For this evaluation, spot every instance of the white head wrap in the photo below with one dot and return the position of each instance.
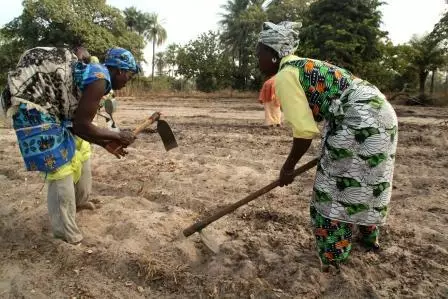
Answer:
(283, 37)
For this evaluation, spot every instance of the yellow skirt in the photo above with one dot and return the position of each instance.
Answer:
(74, 167)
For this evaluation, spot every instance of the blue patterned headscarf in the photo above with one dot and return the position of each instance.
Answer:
(282, 37)
(121, 59)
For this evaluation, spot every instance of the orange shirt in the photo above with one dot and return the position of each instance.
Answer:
(267, 93)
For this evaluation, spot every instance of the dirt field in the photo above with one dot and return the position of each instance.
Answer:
(133, 247)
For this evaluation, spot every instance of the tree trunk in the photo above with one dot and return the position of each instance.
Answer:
(431, 88)
(153, 58)
(422, 80)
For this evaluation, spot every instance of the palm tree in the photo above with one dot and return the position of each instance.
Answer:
(427, 56)
(135, 20)
(171, 58)
(157, 34)
(232, 35)
(241, 24)
(160, 63)
(440, 31)
(287, 10)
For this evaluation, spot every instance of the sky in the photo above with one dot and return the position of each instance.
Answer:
(184, 20)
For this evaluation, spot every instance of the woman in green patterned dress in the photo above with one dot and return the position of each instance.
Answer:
(353, 183)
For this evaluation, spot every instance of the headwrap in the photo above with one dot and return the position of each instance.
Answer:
(121, 59)
(283, 37)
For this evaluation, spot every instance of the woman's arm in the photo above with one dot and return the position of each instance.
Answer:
(298, 115)
(87, 109)
(299, 147)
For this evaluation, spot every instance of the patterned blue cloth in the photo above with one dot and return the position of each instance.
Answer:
(121, 59)
(45, 143)
(86, 74)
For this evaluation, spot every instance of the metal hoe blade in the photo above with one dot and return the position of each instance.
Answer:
(209, 241)
(165, 132)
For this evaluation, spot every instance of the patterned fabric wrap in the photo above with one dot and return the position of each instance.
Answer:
(121, 59)
(283, 37)
(86, 74)
(45, 90)
(43, 80)
(322, 83)
(45, 143)
(354, 176)
(334, 238)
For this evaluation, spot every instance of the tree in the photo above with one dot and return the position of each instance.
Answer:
(205, 60)
(171, 57)
(393, 71)
(440, 31)
(241, 22)
(136, 21)
(65, 23)
(160, 63)
(232, 35)
(10, 51)
(427, 56)
(439, 35)
(157, 34)
(288, 10)
(346, 33)
(93, 24)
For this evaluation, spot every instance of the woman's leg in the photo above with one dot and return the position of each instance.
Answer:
(333, 238)
(62, 210)
(83, 187)
(369, 236)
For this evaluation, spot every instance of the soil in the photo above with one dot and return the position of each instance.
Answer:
(133, 246)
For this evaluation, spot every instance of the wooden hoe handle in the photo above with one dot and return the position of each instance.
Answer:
(199, 225)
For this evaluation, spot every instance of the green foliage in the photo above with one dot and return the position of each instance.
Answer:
(287, 10)
(160, 63)
(427, 55)
(91, 23)
(393, 71)
(440, 31)
(157, 34)
(241, 24)
(10, 51)
(430, 53)
(345, 33)
(171, 57)
(205, 60)
(136, 20)
(148, 26)
(65, 23)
